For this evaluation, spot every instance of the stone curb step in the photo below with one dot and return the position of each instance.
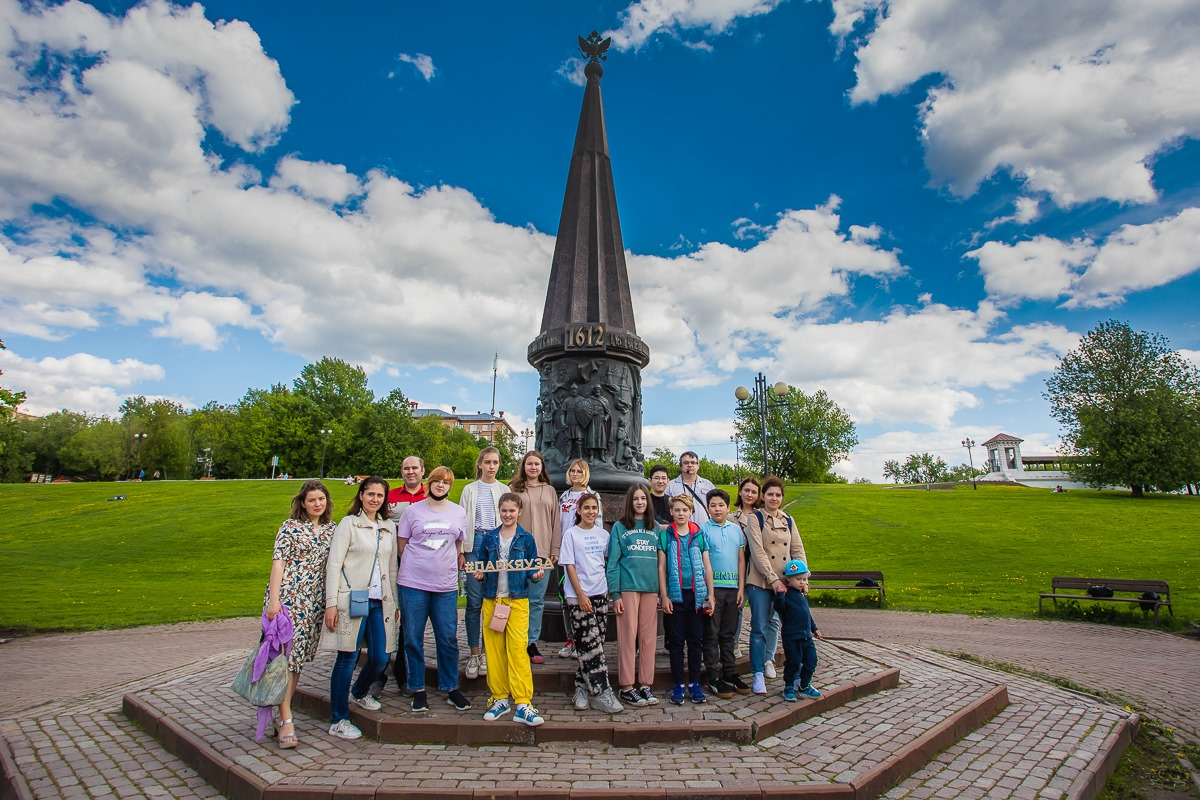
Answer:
(475, 731)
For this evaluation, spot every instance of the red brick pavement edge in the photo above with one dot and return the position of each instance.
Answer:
(238, 783)
(14, 786)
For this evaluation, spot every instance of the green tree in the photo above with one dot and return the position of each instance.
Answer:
(917, 468)
(273, 422)
(806, 435)
(1129, 407)
(382, 436)
(48, 436)
(101, 450)
(16, 457)
(665, 457)
(166, 448)
(213, 427)
(9, 400)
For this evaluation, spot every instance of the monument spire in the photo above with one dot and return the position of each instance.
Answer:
(588, 350)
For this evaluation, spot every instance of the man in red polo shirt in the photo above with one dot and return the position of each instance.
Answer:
(412, 472)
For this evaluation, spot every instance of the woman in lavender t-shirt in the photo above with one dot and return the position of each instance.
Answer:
(430, 538)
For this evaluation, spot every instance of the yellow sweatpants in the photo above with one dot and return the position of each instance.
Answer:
(508, 660)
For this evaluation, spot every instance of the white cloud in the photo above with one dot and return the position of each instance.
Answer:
(1074, 98)
(709, 437)
(644, 19)
(80, 382)
(1027, 209)
(1132, 258)
(422, 62)
(329, 183)
(323, 261)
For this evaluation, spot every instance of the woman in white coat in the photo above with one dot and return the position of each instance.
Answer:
(362, 556)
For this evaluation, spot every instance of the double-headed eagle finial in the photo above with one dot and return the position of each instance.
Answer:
(593, 47)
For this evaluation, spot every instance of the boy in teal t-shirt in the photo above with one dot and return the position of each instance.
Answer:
(727, 554)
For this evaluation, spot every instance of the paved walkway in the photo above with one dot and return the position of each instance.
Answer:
(1158, 673)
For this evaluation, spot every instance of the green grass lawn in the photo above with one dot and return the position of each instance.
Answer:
(201, 550)
(991, 551)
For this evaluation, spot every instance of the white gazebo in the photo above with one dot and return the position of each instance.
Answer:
(1006, 463)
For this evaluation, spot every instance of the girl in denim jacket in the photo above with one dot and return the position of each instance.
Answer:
(509, 673)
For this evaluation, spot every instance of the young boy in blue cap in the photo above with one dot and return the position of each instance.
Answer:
(798, 630)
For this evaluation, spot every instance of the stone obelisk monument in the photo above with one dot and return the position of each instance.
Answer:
(588, 353)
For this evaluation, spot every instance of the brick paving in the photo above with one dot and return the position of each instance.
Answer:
(1158, 673)
(1045, 744)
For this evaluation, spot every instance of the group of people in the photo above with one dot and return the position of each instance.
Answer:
(391, 567)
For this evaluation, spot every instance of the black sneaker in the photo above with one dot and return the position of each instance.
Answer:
(420, 701)
(535, 655)
(720, 689)
(737, 684)
(631, 697)
(457, 699)
(648, 696)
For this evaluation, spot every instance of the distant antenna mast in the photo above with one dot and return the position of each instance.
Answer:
(495, 368)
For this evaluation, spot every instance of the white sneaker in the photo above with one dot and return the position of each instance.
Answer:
(498, 710)
(769, 669)
(568, 650)
(758, 685)
(473, 666)
(607, 702)
(483, 663)
(367, 702)
(345, 729)
(581, 699)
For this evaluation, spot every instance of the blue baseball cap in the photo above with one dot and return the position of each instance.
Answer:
(795, 567)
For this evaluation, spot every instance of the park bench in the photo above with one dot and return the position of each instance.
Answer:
(1150, 594)
(860, 580)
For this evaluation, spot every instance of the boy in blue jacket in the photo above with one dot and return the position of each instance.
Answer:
(798, 630)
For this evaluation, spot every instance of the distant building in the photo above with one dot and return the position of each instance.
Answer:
(1006, 463)
(480, 424)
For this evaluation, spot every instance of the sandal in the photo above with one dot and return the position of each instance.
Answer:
(287, 741)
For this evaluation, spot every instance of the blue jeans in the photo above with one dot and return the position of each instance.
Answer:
(441, 609)
(764, 625)
(474, 600)
(537, 606)
(372, 629)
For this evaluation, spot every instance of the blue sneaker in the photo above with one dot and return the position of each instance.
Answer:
(698, 694)
(678, 694)
(528, 715)
(789, 694)
(498, 710)
(809, 691)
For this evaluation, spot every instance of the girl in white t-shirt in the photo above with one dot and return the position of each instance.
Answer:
(583, 554)
(578, 474)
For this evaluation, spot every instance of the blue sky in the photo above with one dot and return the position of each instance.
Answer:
(916, 206)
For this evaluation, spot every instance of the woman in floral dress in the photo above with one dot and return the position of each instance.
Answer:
(298, 582)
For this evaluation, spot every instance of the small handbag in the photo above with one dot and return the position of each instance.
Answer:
(499, 620)
(360, 601)
(270, 688)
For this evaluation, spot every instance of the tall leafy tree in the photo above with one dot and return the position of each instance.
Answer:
(165, 448)
(1129, 407)
(806, 435)
(918, 468)
(380, 438)
(9, 400)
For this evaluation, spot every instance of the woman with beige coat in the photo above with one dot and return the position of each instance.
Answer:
(362, 557)
(773, 541)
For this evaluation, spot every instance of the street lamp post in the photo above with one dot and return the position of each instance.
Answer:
(969, 443)
(324, 443)
(138, 438)
(737, 455)
(528, 434)
(759, 402)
